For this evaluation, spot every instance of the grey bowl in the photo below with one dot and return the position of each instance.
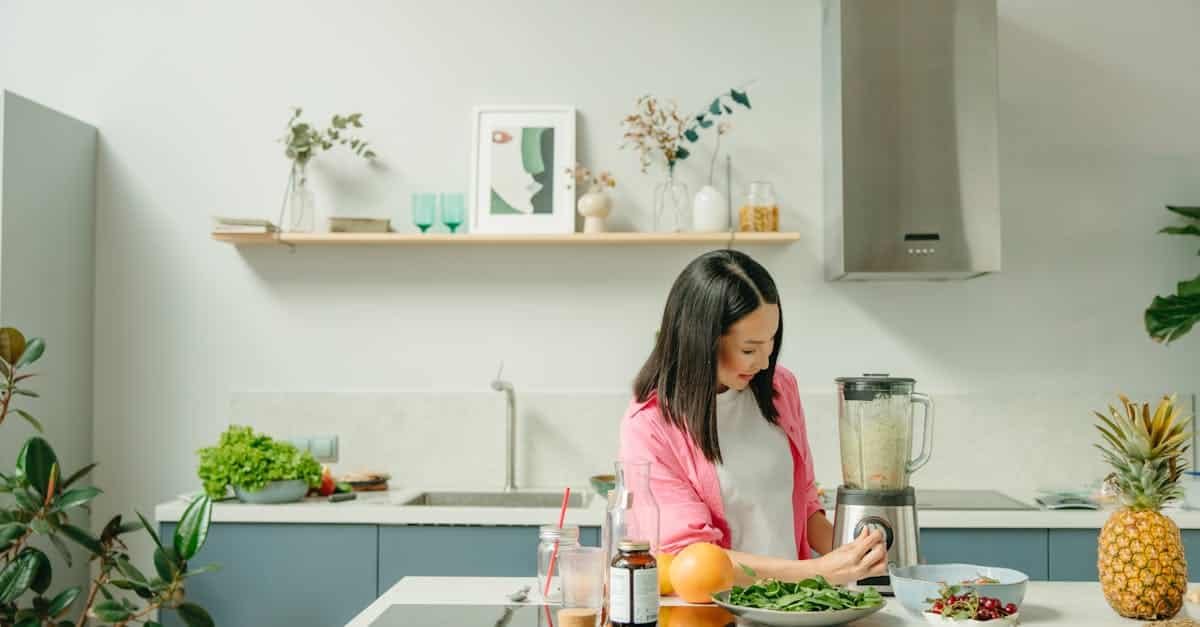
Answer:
(777, 618)
(912, 585)
(274, 492)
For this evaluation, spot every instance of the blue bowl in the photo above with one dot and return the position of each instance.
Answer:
(912, 585)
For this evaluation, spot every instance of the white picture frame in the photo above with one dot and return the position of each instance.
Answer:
(507, 143)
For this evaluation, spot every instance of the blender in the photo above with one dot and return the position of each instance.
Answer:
(875, 427)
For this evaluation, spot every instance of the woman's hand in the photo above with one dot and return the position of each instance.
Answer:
(865, 557)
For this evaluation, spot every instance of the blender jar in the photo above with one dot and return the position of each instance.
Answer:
(875, 427)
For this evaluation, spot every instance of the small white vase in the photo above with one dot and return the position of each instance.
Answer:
(709, 212)
(594, 206)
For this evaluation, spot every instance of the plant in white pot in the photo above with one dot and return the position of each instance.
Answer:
(595, 205)
(260, 469)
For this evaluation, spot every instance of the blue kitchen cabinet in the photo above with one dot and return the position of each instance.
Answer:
(1073, 554)
(461, 551)
(1020, 549)
(284, 574)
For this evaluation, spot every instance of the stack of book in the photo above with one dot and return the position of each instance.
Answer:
(242, 225)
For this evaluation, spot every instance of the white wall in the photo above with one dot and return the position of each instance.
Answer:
(1097, 132)
(46, 279)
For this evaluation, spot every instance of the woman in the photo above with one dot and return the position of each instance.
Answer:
(723, 429)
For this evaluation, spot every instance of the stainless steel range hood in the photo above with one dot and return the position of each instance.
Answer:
(909, 95)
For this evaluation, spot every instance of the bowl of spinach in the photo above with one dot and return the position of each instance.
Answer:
(808, 603)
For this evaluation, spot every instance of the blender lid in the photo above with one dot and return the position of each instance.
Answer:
(865, 387)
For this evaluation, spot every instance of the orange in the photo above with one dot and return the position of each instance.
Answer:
(664, 575)
(691, 616)
(700, 570)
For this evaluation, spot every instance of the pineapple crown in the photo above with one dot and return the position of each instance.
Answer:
(1146, 450)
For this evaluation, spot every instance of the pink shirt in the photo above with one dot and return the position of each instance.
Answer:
(685, 484)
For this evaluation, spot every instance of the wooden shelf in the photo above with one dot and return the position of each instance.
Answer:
(572, 239)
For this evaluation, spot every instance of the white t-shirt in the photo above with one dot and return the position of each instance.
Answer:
(756, 477)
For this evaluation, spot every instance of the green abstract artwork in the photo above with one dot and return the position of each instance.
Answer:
(522, 171)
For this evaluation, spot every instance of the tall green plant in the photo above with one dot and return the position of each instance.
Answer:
(40, 503)
(1170, 317)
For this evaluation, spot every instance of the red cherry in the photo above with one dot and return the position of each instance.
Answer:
(938, 606)
(1010, 608)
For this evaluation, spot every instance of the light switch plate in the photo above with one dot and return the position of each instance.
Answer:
(302, 444)
(324, 448)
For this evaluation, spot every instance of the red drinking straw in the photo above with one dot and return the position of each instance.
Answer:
(562, 514)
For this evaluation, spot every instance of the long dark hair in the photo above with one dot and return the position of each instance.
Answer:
(712, 293)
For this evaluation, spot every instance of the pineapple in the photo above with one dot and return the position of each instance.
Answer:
(1143, 571)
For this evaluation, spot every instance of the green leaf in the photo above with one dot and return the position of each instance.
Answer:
(83, 539)
(150, 530)
(704, 122)
(30, 419)
(39, 525)
(33, 352)
(24, 392)
(111, 611)
(740, 97)
(194, 615)
(75, 498)
(16, 578)
(681, 153)
(1191, 212)
(62, 548)
(1189, 288)
(27, 500)
(36, 461)
(130, 571)
(1171, 317)
(749, 571)
(43, 573)
(28, 621)
(1191, 229)
(208, 568)
(728, 109)
(151, 623)
(60, 603)
(691, 135)
(715, 107)
(193, 527)
(77, 475)
(10, 532)
(166, 564)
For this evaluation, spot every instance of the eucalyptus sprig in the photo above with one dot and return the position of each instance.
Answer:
(303, 141)
(657, 128)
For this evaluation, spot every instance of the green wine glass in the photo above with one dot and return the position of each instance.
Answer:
(423, 208)
(454, 211)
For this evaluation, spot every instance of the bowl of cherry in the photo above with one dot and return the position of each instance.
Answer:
(918, 585)
(967, 607)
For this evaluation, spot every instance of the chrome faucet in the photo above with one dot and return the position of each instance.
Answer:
(510, 430)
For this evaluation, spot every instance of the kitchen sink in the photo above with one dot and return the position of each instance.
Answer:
(493, 499)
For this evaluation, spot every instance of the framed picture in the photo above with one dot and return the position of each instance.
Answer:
(518, 163)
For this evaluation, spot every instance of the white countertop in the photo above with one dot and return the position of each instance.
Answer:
(1075, 604)
(383, 508)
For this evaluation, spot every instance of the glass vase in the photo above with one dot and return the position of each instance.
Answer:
(300, 216)
(632, 510)
(671, 212)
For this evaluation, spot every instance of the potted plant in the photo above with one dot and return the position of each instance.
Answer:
(260, 469)
(43, 501)
(656, 129)
(595, 205)
(1170, 317)
(302, 142)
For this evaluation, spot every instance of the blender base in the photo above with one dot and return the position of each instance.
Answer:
(893, 512)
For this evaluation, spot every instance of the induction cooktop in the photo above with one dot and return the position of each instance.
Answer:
(466, 616)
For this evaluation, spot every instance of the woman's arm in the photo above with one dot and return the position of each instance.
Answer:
(865, 557)
(820, 533)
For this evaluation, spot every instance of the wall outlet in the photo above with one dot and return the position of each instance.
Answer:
(324, 448)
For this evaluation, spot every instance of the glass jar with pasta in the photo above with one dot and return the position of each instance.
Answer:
(760, 211)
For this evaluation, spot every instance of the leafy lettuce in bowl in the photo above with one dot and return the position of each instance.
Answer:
(250, 461)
